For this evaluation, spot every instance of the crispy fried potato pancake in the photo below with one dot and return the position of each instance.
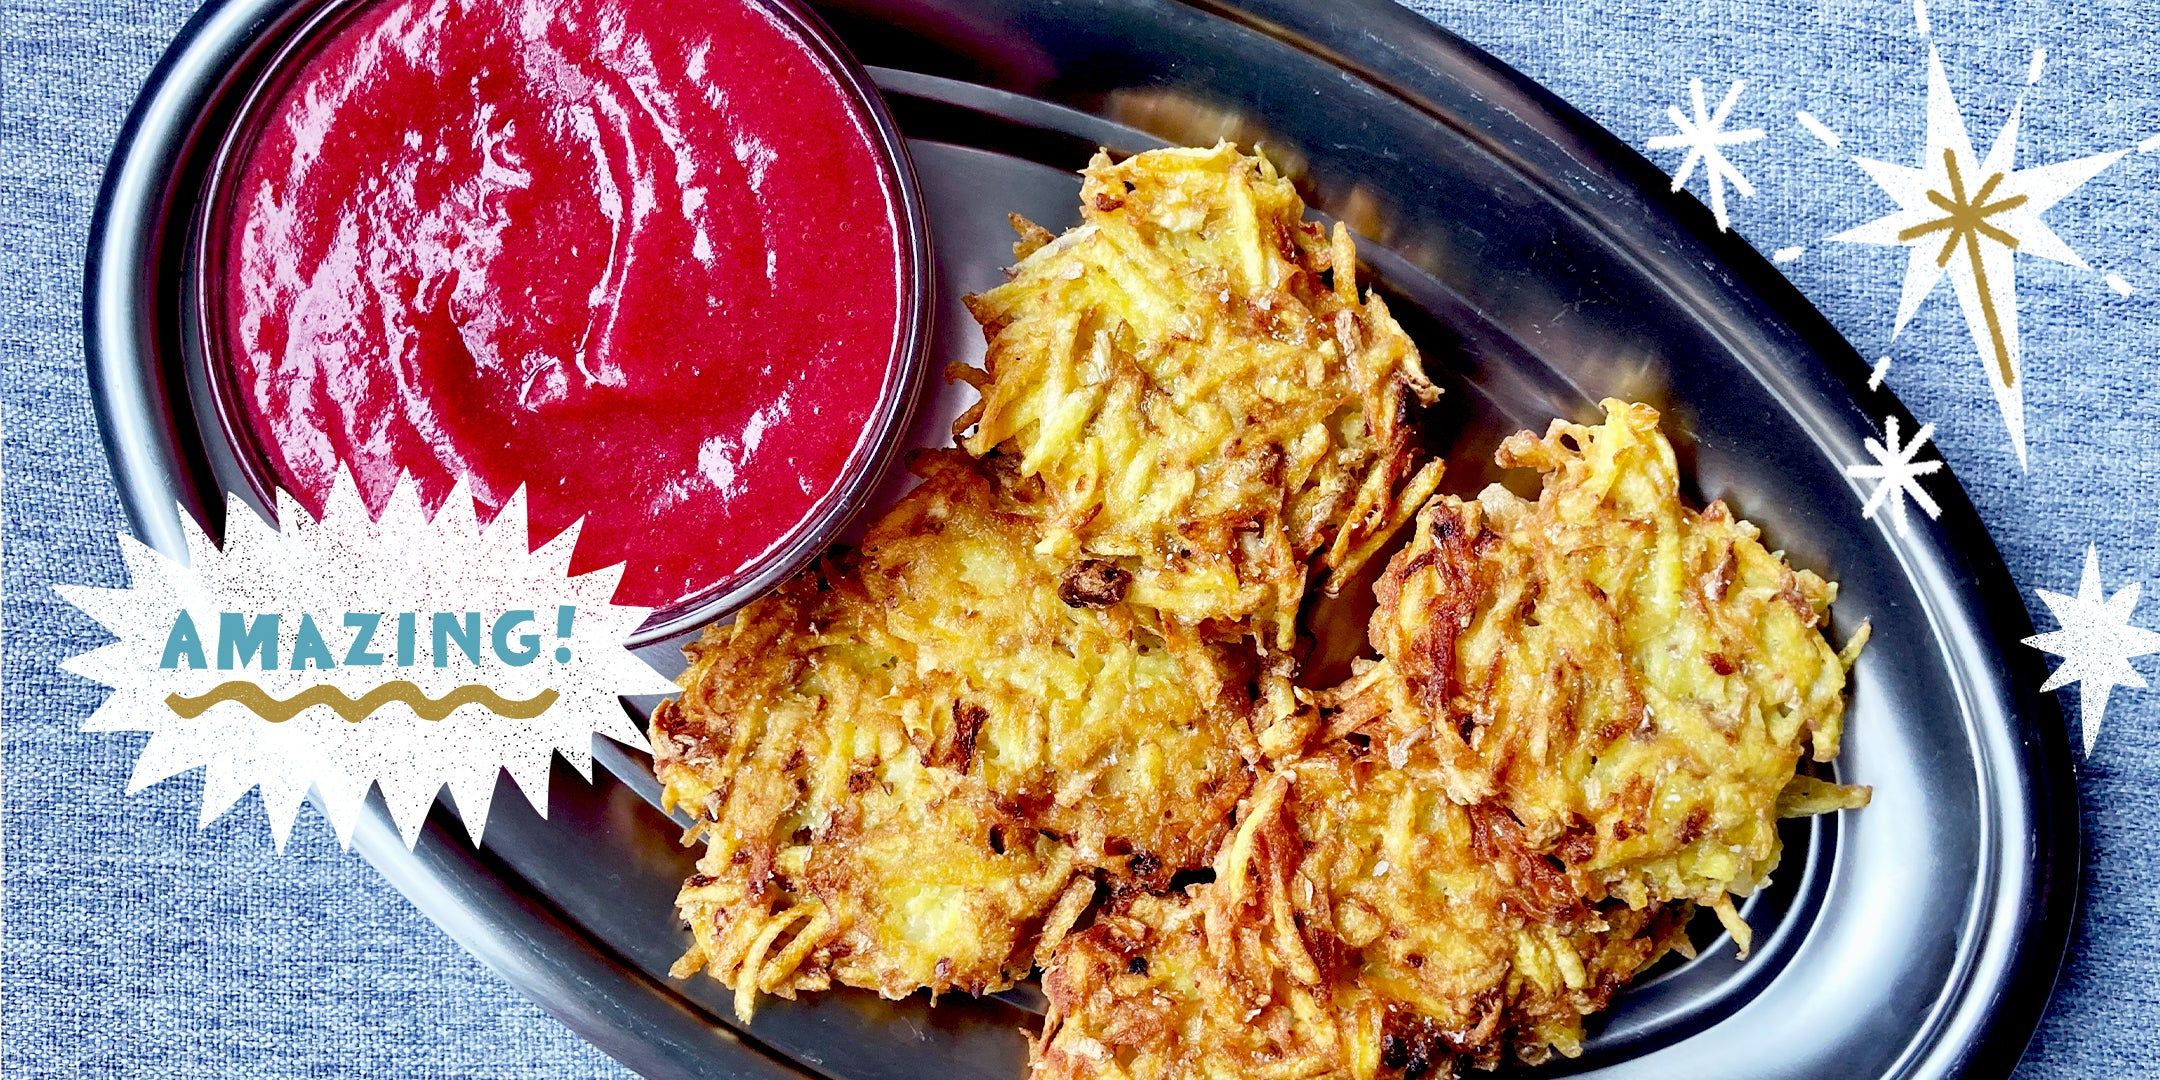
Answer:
(990, 739)
(909, 765)
(1634, 682)
(1362, 924)
(1208, 401)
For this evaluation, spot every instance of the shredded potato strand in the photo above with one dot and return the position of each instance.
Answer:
(1204, 394)
(1060, 677)
(919, 759)
(1359, 922)
(1635, 681)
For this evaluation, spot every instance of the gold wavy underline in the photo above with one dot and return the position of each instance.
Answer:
(259, 702)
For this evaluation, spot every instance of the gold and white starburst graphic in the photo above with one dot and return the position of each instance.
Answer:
(1968, 217)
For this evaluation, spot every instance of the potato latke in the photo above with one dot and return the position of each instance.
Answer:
(910, 764)
(1207, 399)
(1634, 681)
(1060, 669)
(1361, 924)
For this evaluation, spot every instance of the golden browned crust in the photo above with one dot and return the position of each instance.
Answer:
(1361, 925)
(1634, 681)
(905, 763)
(1209, 403)
(989, 740)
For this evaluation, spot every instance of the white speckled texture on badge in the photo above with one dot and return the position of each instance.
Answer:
(402, 652)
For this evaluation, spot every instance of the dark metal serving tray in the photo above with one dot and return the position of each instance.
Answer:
(1541, 266)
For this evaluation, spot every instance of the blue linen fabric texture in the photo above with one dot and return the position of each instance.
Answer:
(136, 943)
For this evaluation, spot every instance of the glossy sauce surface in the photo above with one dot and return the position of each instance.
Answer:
(640, 257)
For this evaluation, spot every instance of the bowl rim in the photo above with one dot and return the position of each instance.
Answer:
(262, 69)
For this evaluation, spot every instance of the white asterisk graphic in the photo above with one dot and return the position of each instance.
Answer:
(1897, 475)
(1704, 138)
(1967, 218)
(2096, 641)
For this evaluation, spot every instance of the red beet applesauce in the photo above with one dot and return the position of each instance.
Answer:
(642, 257)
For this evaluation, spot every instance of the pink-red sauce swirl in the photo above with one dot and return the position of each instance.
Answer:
(640, 257)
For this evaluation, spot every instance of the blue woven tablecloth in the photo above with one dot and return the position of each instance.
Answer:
(135, 944)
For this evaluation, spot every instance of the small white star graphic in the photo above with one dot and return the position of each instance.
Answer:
(2096, 642)
(1967, 218)
(1896, 474)
(1704, 139)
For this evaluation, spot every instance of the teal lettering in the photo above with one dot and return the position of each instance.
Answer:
(184, 643)
(461, 630)
(241, 639)
(309, 649)
(527, 649)
(359, 655)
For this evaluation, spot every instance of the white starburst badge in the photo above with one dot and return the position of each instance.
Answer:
(1704, 138)
(351, 652)
(1897, 475)
(1967, 218)
(2096, 640)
